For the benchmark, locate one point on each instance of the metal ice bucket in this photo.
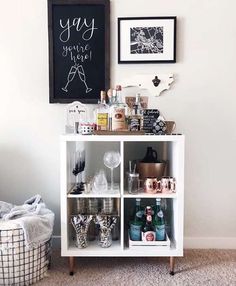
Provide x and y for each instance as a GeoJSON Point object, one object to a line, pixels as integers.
{"type": "Point", "coordinates": [146, 170]}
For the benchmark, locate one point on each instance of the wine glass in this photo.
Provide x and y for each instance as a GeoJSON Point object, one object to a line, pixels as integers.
{"type": "Point", "coordinates": [82, 77]}
{"type": "Point", "coordinates": [111, 160]}
{"type": "Point", "coordinates": [70, 76]}
{"type": "Point", "coordinates": [78, 168]}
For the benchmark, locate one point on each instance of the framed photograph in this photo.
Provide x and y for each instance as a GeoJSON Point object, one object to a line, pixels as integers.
{"type": "Point", "coordinates": [79, 50]}
{"type": "Point", "coordinates": [147, 40]}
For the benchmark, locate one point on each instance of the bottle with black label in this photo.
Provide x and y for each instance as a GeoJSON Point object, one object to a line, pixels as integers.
{"type": "Point", "coordinates": [136, 117]}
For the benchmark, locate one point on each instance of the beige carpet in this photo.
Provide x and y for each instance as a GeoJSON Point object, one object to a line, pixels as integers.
{"type": "Point", "coordinates": [198, 267]}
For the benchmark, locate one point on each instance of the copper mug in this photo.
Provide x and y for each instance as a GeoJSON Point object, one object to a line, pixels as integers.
{"type": "Point", "coordinates": [172, 184]}
{"type": "Point", "coordinates": [152, 185]}
{"type": "Point", "coordinates": [164, 184]}
{"type": "Point", "coordinates": [167, 184]}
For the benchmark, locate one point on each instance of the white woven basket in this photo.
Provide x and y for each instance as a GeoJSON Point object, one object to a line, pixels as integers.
{"type": "Point", "coordinates": [18, 265]}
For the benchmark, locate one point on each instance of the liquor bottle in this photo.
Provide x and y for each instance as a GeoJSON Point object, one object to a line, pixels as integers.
{"type": "Point", "coordinates": [112, 100]}
{"type": "Point", "coordinates": [137, 222]}
{"type": "Point", "coordinates": [114, 96]}
{"type": "Point", "coordinates": [148, 229]}
{"type": "Point", "coordinates": [118, 112]}
{"type": "Point", "coordinates": [102, 113]}
{"type": "Point", "coordinates": [110, 96]}
{"type": "Point", "coordinates": [136, 117]}
{"type": "Point", "coordinates": [159, 222]}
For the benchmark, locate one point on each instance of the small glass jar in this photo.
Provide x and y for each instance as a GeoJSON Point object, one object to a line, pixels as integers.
{"type": "Point", "coordinates": [81, 205]}
{"type": "Point", "coordinates": [107, 205]}
{"type": "Point", "coordinates": [133, 183]}
{"type": "Point", "coordinates": [92, 206]}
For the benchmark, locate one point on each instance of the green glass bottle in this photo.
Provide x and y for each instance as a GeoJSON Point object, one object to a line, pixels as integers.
{"type": "Point", "coordinates": [159, 222]}
{"type": "Point", "coordinates": [137, 222]}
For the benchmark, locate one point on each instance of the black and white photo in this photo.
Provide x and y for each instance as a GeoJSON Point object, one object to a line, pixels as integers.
{"type": "Point", "coordinates": [145, 40]}
{"type": "Point", "coordinates": [150, 39]}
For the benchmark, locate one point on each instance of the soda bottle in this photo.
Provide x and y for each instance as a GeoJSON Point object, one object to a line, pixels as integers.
{"type": "Point", "coordinates": [159, 222]}
{"type": "Point", "coordinates": [137, 222]}
{"type": "Point", "coordinates": [148, 229]}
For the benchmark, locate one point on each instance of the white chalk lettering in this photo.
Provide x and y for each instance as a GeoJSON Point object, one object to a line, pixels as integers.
{"type": "Point", "coordinates": [84, 26]}
{"type": "Point", "coordinates": [81, 58]}
{"type": "Point", "coordinates": [75, 48]}
{"type": "Point", "coordinates": [77, 53]}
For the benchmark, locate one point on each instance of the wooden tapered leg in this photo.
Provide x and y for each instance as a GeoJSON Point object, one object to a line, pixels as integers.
{"type": "Point", "coordinates": [72, 265]}
{"type": "Point", "coordinates": [172, 265]}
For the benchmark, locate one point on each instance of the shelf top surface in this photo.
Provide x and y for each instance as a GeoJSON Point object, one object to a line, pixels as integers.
{"type": "Point", "coordinates": [117, 250]}
{"type": "Point", "coordinates": [126, 195]}
{"type": "Point", "coordinates": [145, 195]}
{"type": "Point", "coordinates": [94, 195]}
{"type": "Point", "coordinates": [118, 138]}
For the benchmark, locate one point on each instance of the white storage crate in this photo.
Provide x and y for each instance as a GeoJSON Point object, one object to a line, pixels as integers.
{"type": "Point", "coordinates": [158, 244]}
{"type": "Point", "coordinates": [19, 265]}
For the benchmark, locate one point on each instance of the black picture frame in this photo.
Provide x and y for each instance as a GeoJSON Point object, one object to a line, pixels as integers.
{"type": "Point", "coordinates": [79, 50]}
{"type": "Point", "coordinates": [147, 39]}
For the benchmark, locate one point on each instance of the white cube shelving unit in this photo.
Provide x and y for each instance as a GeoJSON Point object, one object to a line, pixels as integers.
{"type": "Point", "coordinates": [169, 148]}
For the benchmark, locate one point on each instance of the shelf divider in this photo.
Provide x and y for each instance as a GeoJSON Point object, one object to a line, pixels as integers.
{"type": "Point", "coordinates": [122, 192]}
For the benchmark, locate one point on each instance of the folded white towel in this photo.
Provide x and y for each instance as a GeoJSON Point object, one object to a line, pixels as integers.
{"type": "Point", "coordinates": [5, 208]}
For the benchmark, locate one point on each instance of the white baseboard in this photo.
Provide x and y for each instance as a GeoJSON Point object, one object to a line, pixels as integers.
{"type": "Point", "coordinates": [189, 242]}
{"type": "Point", "coordinates": [210, 242]}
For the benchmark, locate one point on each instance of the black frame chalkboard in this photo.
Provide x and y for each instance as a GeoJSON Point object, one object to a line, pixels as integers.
{"type": "Point", "coordinates": [79, 50]}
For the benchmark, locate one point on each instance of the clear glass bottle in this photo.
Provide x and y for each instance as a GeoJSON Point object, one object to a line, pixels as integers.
{"type": "Point", "coordinates": [112, 100]}
{"type": "Point", "coordinates": [136, 116]}
{"type": "Point", "coordinates": [118, 113]}
{"type": "Point", "coordinates": [114, 96]}
{"type": "Point", "coordinates": [102, 113]}
{"type": "Point", "coordinates": [110, 96]}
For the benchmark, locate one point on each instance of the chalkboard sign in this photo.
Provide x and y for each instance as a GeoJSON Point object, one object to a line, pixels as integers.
{"type": "Point", "coordinates": [79, 49]}
{"type": "Point", "coordinates": [150, 117]}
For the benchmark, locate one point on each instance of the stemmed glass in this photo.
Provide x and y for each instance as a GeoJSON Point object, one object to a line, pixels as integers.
{"type": "Point", "coordinates": [111, 160]}
{"type": "Point", "coordinates": [79, 166]}
{"type": "Point", "coordinates": [82, 77]}
{"type": "Point", "coordinates": [70, 76]}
